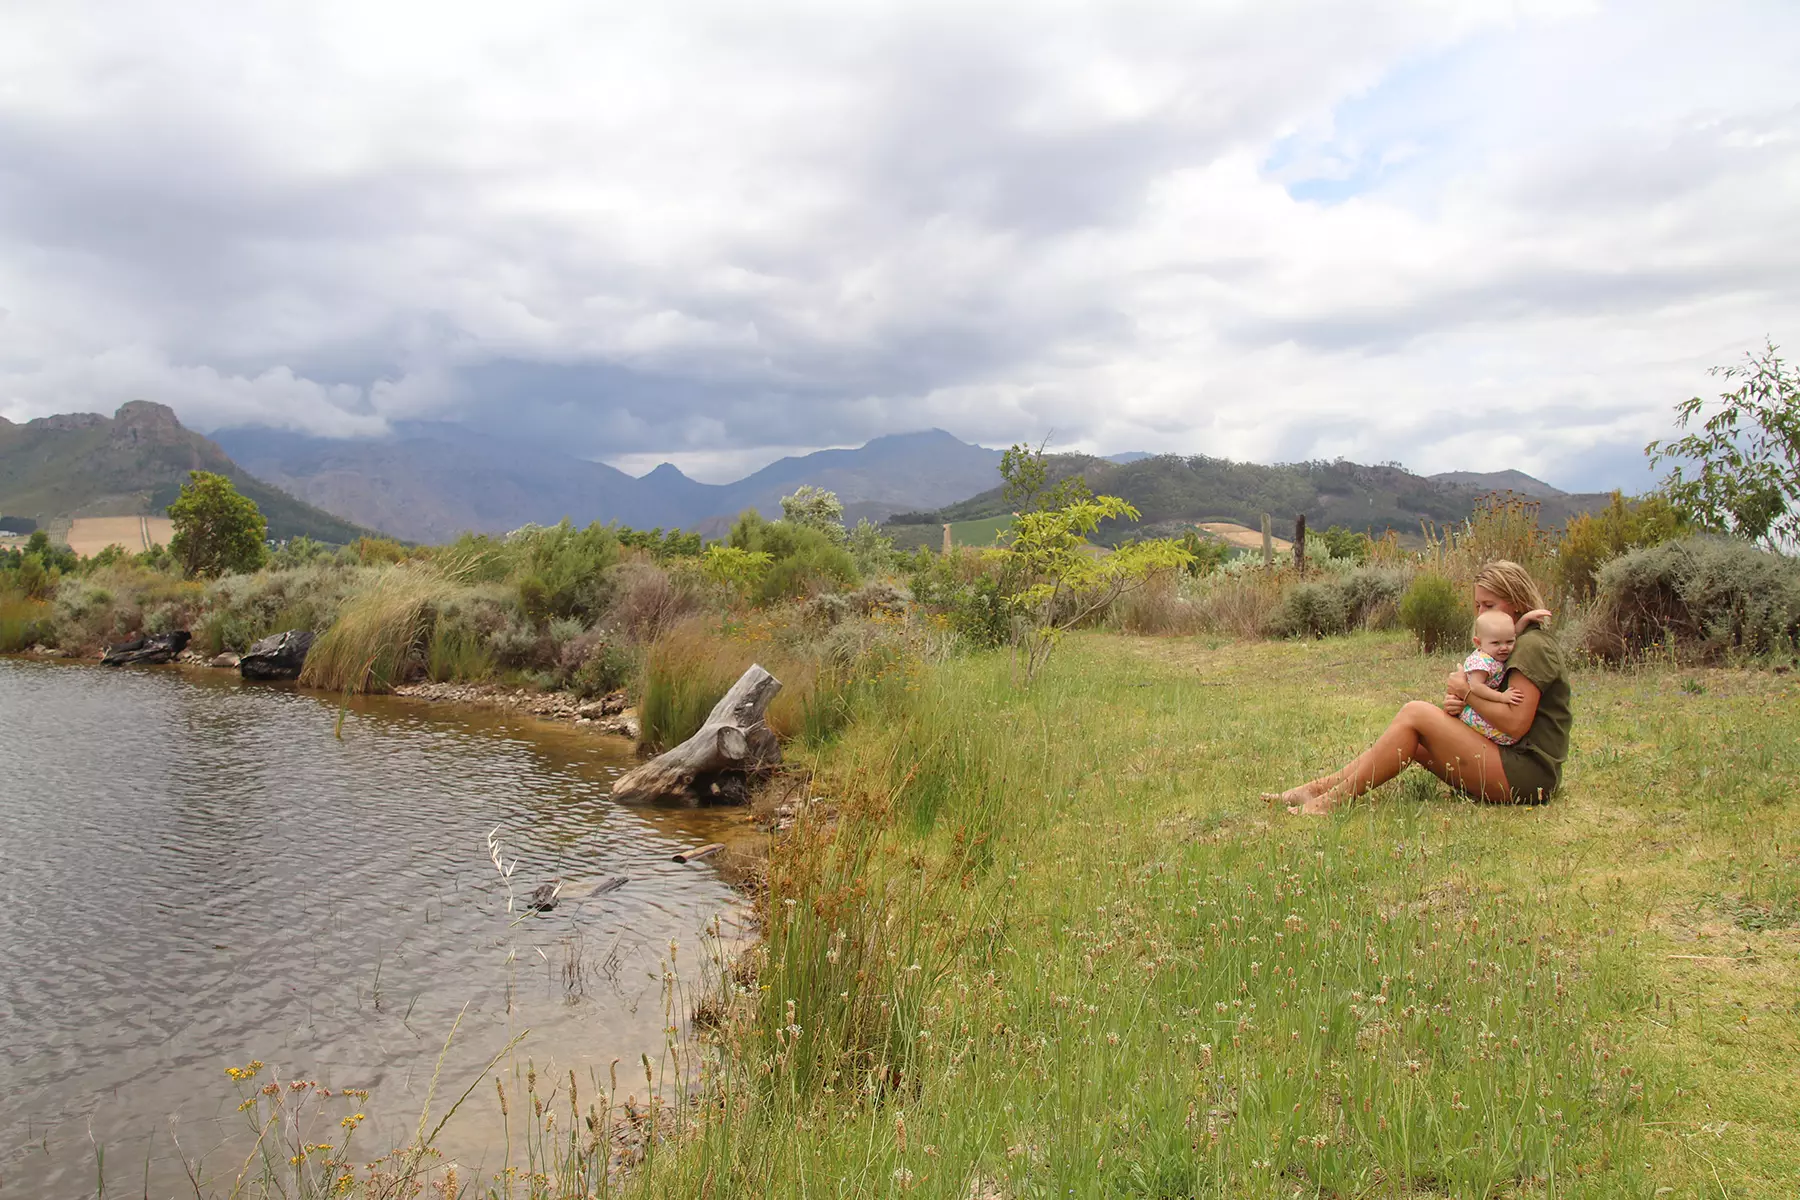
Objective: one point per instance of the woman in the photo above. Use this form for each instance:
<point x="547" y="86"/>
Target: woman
<point x="1526" y="772"/>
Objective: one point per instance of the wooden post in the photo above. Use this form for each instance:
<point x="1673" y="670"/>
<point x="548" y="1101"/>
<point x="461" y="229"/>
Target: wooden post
<point x="1300" y="545"/>
<point x="1268" y="545"/>
<point x="946" y="539"/>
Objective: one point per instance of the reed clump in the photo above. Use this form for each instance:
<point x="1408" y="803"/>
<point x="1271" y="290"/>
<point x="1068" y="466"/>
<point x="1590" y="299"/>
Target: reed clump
<point x="381" y="632"/>
<point x="24" y="622"/>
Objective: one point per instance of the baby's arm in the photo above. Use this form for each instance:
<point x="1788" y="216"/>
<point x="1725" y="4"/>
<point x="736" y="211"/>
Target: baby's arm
<point x="1478" y="686"/>
<point x="1537" y="616"/>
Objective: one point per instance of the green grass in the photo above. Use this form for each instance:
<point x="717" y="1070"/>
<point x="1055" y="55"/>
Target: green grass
<point x="1055" y="946"/>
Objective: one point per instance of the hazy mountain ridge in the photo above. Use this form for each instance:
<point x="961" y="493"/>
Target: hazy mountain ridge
<point x="429" y="481"/>
<point x="131" y="464"/>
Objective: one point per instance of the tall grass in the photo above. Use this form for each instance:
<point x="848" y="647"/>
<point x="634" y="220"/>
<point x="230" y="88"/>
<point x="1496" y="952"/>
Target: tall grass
<point x="380" y="631"/>
<point x="686" y="672"/>
<point x="1049" y="948"/>
<point x="457" y="654"/>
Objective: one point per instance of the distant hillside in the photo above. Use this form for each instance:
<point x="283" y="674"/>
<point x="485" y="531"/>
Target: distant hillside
<point x="1174" y="493"/>
<point x="431" y="481"/>
<point x="133" y="463"/>
<point x="1501" y="481"/>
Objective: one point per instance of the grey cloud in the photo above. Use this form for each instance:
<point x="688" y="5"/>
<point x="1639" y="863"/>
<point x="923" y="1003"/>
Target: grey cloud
<point x="946" y="230"/>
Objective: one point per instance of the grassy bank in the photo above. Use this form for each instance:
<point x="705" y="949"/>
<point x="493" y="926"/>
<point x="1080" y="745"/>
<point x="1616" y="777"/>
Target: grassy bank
<point x="1054" y="946"/>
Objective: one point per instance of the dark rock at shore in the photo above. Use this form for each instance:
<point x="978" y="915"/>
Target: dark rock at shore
<point x="277" y="657"/>
<point x="159" y="648"/>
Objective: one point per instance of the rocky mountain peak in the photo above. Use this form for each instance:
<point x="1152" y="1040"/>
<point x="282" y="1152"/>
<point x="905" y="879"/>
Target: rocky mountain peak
<point x="68" y="422"/>
<point x="144" y="420"/>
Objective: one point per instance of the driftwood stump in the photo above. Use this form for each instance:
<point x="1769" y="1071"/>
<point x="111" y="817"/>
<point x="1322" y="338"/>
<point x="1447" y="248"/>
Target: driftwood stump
<point x="158" y="648"/>
<point x="277" y="657"/>
<point x="715" y="763"/>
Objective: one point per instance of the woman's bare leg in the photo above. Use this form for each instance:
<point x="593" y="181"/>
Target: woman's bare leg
<point x="1421" y="733"/>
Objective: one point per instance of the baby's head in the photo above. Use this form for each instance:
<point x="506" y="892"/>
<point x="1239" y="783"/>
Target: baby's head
<point x="1494" y="634"/>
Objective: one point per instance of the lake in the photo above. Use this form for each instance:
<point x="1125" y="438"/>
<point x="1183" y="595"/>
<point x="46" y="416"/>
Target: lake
<point x="197" y="872"/>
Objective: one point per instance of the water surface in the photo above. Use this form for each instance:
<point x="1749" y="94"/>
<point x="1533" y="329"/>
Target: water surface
<point x="196" y="872"/>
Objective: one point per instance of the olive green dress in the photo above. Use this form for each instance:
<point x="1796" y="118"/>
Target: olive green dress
<point x="1533" y="764"/>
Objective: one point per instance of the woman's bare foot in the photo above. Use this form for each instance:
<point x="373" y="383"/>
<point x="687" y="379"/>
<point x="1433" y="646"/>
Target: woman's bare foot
<point x="1295" y="796"/>
<point x="1319" y="805"/>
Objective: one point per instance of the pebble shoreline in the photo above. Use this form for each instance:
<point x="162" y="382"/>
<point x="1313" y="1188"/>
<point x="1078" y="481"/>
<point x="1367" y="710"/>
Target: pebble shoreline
<point x="606" y="714"/>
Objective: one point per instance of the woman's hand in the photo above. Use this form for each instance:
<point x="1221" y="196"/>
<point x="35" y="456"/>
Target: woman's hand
<point x="1456" y="693"/>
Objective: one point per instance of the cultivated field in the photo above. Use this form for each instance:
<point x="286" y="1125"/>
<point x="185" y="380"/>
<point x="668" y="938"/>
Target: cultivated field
<point x="90" y="535"/>
<point x="1242" y="537"/>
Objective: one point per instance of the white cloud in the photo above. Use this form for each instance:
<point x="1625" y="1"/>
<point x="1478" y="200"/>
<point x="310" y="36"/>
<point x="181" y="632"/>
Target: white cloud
<point x="1450" y="234"/>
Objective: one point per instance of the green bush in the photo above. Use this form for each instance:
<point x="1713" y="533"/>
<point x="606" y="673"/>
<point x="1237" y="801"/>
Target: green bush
<point x="561" y="571"/>
<point x="603" y="665"/>
<point x="24" y="622"/>
<point x="1703" y="595"/>
<point x="1372" y="596"/>
<point x="1310" y="610"/>
<point x="805" y="561"/>
<point x="1435" y="612"/>
<point x="1591" y="540"/>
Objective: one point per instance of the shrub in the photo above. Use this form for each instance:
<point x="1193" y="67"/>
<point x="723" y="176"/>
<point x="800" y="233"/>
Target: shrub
<point x="648" y="599"/>
<point x="519" y="644"/>
<point x="1706" y="595"/>
<point x="1434" y="611"/>
<point x="804" y="560"/>
<point x="1310" y="610"/>
<point x="602" y="665"/>
<point x="244" y="608"/>
<point x="1241" y="604"/>
<point x="88" y="613"/>
<point x="964" y="587"/>
<point x="1591" y="540"/>
<point x="1372" y="597"/>
<point x="561" y="571"/>
<point x="1158" y="609"/>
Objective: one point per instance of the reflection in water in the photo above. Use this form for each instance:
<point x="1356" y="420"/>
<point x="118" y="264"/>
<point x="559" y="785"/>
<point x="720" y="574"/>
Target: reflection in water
<point x="197" y="872"/>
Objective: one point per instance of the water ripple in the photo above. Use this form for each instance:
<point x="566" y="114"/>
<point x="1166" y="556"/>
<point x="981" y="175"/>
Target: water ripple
<point x="196" y="872"/>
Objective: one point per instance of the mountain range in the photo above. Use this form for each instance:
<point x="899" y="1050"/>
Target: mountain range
<point x="429" y="481"/>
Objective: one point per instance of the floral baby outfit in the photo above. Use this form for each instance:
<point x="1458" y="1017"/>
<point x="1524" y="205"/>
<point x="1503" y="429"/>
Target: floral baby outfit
<point x="1480" y="661"/>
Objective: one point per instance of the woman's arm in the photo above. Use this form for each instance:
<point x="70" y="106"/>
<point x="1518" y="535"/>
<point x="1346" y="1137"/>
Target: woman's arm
<point x="1514" y="720"/>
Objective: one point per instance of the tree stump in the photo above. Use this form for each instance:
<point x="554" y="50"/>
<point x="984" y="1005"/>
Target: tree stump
<point x="731" y="745"/>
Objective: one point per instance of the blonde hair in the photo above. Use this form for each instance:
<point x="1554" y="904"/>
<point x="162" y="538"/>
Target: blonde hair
<point x="1512" y="583"/>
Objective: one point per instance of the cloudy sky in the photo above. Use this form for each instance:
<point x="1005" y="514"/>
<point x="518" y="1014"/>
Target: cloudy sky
<point x="1453" y="235"/>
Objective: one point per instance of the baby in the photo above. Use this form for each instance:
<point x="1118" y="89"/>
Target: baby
<point x="1494" y="636"/>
